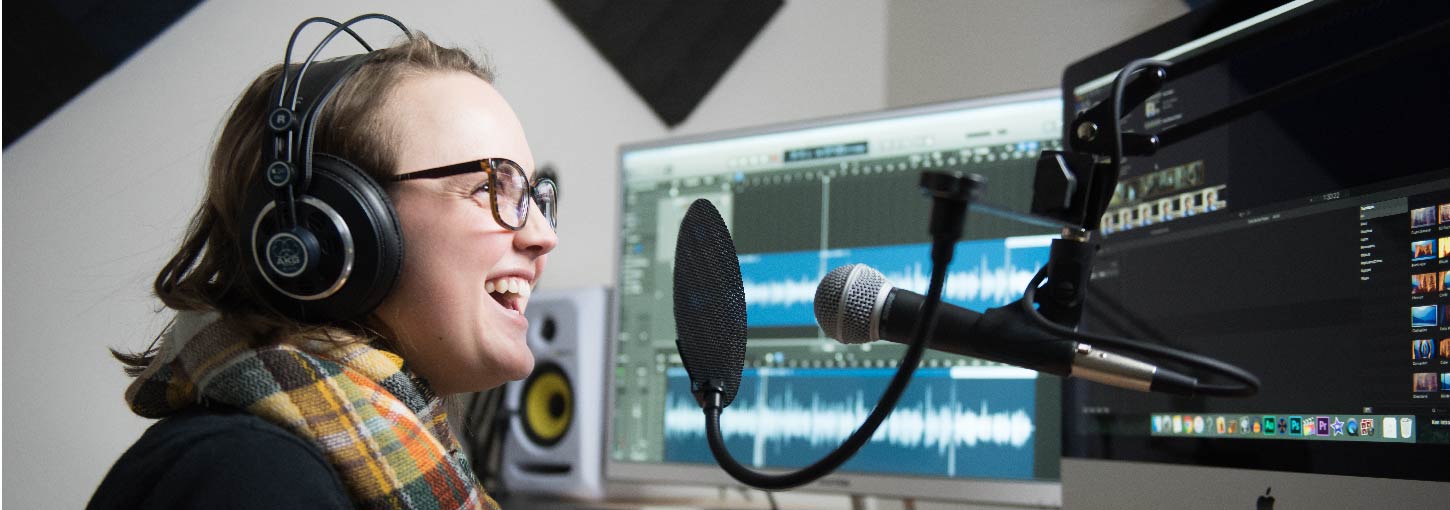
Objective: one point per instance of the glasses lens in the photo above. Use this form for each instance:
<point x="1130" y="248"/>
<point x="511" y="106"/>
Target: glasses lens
<point x="546" y="194"/>
<point x="512" y="186"/>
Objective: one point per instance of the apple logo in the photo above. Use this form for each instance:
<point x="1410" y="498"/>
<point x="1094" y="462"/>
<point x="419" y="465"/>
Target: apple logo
<point x="1266" y="502"/>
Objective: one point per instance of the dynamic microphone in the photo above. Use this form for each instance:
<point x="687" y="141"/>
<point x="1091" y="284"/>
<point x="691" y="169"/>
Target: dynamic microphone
<point x="856" y="304"/>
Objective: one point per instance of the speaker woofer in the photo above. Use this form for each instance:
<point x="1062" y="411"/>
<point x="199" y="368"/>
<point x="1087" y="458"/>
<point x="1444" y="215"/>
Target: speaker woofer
<point x="548" y="405"/>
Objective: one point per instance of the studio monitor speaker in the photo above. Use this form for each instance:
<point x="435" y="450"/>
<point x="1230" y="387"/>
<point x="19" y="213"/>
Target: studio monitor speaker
<point x="555" y="439"/>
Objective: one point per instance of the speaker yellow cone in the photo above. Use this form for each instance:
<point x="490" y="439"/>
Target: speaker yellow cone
<point x="548" y="405"/>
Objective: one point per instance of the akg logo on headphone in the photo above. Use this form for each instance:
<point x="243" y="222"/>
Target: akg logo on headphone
<point x="286" y="254"/>
<point x="279" y="173"/>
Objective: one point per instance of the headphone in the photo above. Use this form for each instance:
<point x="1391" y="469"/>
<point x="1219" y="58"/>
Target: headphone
<point x="323" y="237"/>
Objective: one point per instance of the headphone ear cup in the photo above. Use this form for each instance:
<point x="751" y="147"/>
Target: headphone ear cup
<point x="358" y="240"/>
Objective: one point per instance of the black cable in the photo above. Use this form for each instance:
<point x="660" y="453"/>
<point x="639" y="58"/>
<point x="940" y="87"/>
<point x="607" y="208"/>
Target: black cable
<point x="1119" y="83"/>
<point x="1250" y="382"/>
<point x="770" y="496"/>
<point x="487" y="423"/>
<point x="941" y="257"/>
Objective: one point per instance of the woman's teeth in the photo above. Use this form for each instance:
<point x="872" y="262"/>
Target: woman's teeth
<point x="508" y="285"/>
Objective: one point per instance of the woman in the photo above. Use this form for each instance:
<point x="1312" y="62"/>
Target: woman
<point x="265" y="406"/>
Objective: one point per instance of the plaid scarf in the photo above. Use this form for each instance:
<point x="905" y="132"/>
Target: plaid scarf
<point x="381" y="429"/>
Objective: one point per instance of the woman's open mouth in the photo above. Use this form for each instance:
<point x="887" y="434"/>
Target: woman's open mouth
<point x="510" y="293"/>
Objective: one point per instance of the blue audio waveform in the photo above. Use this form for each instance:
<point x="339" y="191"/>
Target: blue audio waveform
<point x="779" y="287"/>
<point x="980" y="425"/>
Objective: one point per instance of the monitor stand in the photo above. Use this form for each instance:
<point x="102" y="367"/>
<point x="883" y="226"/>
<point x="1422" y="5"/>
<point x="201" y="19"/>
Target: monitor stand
<point x="862" y="502"/>
<point x="867" y="502"/>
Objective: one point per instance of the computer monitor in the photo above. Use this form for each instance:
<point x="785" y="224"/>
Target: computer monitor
<point x="1279" y="242"/>
<point x="800" y="200"/>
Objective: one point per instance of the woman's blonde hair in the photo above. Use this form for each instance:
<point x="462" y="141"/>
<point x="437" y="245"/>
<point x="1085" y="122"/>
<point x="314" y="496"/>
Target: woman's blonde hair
<point x="208" y="271"/>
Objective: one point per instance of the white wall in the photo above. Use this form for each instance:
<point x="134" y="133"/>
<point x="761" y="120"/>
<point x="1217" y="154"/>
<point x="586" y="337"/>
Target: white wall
<point x="96" y="197"/>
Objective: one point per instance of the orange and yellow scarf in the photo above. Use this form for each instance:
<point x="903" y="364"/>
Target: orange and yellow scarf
<point x="382" y="430"/>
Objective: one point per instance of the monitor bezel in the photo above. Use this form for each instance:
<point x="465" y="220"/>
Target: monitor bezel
<point x="1038" y="493"/>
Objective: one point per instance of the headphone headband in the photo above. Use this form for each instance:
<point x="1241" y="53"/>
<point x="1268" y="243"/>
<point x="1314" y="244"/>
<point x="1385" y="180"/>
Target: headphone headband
<point x="283" y="172"/>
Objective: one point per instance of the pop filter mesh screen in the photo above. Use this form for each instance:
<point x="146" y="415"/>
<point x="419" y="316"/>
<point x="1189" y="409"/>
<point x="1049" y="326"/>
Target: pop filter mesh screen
<point x="709" y="300"/>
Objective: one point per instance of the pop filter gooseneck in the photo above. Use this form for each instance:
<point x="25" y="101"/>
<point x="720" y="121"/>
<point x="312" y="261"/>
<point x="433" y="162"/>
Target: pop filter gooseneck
<point x="710" y="323"/>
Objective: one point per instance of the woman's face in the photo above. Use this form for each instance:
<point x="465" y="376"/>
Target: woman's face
<point x="449" y="326"/>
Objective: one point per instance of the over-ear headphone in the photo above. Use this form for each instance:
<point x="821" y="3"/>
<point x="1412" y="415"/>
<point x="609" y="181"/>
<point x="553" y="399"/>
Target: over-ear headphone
<point x="323" y="237"/>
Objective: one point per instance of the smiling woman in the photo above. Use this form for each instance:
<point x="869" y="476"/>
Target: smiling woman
<point x="311" y="343"/>
<point x="462" y="234"/>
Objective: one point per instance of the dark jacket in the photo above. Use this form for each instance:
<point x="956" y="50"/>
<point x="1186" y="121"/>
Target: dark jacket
<point x="220" y="459"/>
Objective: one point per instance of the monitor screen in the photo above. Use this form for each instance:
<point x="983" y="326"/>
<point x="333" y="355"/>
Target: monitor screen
<point x="801" y="200"/>
<point x="1281" y="242"/>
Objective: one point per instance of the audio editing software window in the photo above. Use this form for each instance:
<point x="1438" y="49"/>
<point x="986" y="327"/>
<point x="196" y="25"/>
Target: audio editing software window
<point x="1282" y="246"/>
<point x="800" y="201"/>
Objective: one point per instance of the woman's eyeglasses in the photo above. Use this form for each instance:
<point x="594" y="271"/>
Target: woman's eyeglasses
<point x="508" y="189"/>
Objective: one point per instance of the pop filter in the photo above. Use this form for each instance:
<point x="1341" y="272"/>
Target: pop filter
<point x="709" y="303"/>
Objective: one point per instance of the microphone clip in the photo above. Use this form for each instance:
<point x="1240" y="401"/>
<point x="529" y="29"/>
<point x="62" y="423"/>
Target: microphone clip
<point x="951" y="193"/>
<point x="1069" y="265"/>
<point x="1075" y="186"/>
<point x="709" y="393"/>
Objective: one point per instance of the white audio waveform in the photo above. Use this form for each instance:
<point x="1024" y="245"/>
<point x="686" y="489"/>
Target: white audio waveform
<point x="781" y="293"/>
<point x="984" y="283"/>
<point x="941" y="426"/>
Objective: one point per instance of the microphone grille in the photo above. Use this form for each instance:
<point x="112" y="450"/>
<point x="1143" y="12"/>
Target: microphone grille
<point x="846" y="300"/>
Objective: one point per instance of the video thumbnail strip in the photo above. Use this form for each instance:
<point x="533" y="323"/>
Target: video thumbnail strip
<point x="1164" y="210"/>
<point x="1158" y="184"/>
<point x="1315" y="427"/>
